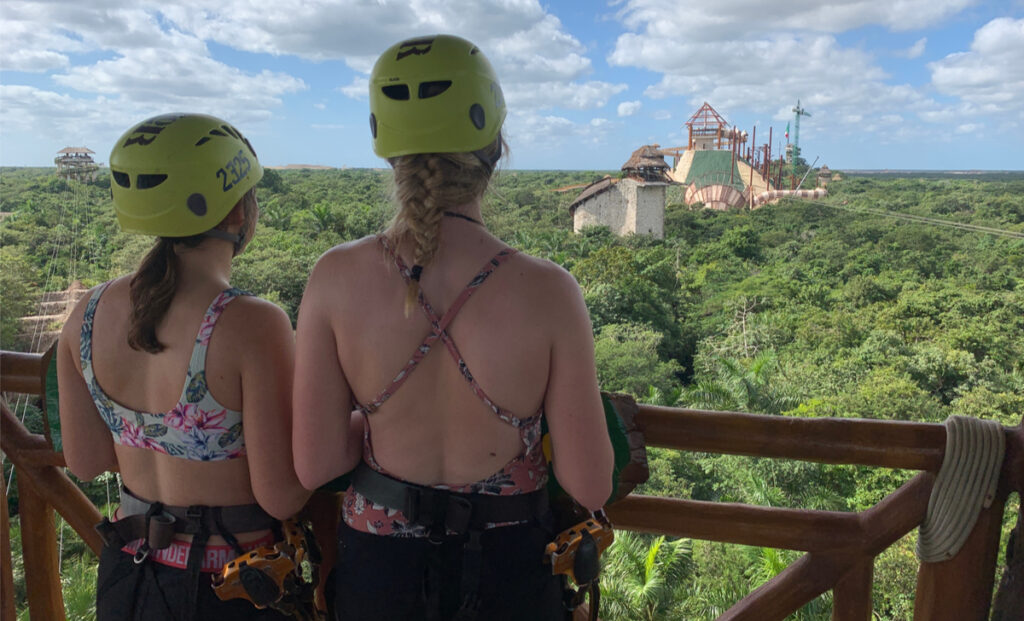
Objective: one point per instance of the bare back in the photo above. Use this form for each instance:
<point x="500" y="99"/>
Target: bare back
<point x="435" y="429"/>
<point x="147" y="382"/>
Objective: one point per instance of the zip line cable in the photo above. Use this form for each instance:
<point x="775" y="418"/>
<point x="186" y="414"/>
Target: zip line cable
<point x="923" y="219"/>
<point x="69" y="194"/>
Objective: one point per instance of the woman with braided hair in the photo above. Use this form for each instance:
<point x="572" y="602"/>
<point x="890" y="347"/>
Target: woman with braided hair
<point x="433" y="390"/>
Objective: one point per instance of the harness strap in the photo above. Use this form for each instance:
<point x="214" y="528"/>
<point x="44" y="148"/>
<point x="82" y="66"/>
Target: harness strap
<point x="195" y="554"/>
<point x="443" y="511"/>
<point x="456" y="512"/>
<point x="157" y="523"/>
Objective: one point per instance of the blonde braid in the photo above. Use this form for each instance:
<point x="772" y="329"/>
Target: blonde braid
<point x="425" y="185"/>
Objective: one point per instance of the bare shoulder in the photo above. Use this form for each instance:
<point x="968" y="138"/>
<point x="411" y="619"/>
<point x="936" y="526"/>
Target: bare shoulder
<point x="72" y="327"/>
<point x="547" y="280"/>
<point x="252" y="313"/>
<point x="346" y="258"/>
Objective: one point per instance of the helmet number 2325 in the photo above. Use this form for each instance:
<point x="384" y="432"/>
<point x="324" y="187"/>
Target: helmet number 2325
<point x="234" y="171"/>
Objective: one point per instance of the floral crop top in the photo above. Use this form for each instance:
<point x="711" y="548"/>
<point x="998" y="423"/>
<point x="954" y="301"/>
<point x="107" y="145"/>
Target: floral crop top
<point x="198" y="427"/>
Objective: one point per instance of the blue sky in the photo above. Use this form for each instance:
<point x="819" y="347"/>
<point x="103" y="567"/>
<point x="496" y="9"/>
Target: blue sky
<point x="899" y="84"/>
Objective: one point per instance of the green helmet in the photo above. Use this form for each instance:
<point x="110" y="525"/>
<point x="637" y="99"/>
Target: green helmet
<point x="177" y="175"/>
<point x="434" y="94"/>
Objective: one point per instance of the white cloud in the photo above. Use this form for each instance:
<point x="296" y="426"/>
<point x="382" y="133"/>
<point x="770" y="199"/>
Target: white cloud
<point x="720" y="52"/>
<point x="629" y="108"/>
<point x="742" y="19"/>
<point x="569" y="95"/>
<point x="969" y="128"/>
<point x="541" y="65"/>
<point x="358" y="89"/>
<point x="662" y="115"/>
<point x="549" y="132"/>
<point x="916" y="49"/>
<point x="990" y="77"/>
<point x="145" y="67"/>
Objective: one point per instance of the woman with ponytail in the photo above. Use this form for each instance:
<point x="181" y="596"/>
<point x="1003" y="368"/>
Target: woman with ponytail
<point x="181" y="382"/>
<point x="427" y="358"/>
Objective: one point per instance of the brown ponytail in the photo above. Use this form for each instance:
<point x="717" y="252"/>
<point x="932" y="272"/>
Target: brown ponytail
<point x="425" y="186"/>
<point x="151" y="290"/>
<point x="152" y="287"/>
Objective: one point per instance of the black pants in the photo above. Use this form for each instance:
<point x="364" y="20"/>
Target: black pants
<point x="149" y="591"/>
<point x="386" y="578"/>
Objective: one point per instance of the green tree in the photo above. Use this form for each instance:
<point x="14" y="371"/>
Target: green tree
<point x="643" y="578"/>
<point x="627" y="360"/>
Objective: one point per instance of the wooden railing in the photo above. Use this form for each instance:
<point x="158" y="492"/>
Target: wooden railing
<point x="840" y="547"/>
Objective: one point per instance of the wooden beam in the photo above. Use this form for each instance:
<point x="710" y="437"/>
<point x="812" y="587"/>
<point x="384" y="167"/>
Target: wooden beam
<point x="39" y="549"/>
<point x="892" y="444"/>
<point x="792" y="529"/>
<point x="851" y="596"/>
<point x="960" y="589"/>
<point x="21" y="373"/>
<point x="808" y="577"/>
<point x="815" y="573"/>
<point x="49" y="480"/>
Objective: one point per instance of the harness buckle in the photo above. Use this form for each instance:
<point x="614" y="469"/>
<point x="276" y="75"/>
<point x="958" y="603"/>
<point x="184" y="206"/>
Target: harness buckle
<point x="458" y="514"/>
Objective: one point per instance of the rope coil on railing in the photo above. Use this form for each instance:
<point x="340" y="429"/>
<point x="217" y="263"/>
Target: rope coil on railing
<point x="966" y="483"/>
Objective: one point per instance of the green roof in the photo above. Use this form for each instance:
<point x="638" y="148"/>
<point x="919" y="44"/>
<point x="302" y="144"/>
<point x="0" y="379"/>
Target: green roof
<point x="712" y="167"/>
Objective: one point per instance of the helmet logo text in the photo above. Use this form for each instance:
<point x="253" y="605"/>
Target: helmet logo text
<point x="153" y="127"/>
<point x="416" y="47"/>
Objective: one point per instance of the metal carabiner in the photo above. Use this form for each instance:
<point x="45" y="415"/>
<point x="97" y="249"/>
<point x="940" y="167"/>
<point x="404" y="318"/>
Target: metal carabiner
<point x="142" y="553"/>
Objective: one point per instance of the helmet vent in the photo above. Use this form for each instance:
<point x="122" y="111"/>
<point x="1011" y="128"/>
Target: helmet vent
<point x="217" y="132"/>
<point x="197" y="204"/>
<point x="144" y="182"/>
<point x="476" y="114"/>
<point x="373" y="125"/>
<point x="121" y="179"/>
<point x="202" y="141"/>
<point x="433" y="89"/>
<point x="398" y="92"/>
<point x="232" y="131"/>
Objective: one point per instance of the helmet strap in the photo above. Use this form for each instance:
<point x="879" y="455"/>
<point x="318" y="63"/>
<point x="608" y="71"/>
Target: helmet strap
<point x="235" y="238"/>
<point x="489" y="159"/>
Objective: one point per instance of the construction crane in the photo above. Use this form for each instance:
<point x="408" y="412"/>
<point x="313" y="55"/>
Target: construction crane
<point x="798" y="112"/>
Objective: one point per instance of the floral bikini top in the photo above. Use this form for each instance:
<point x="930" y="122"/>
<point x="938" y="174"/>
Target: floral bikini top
<point x="198" y="427"/>
<point x="526" y="472"/>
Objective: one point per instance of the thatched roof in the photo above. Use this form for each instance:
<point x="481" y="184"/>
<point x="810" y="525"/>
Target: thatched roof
<point x="595" y="188"/>
<point x="647" y="156"/>
<point x="69" y="150"/>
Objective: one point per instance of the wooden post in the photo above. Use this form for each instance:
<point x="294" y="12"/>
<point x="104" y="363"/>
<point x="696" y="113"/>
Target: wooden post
<point x="851" y="596"/>
<point x="7" y="610"/>
<point x="39" y="548"/>
<point x="960" y="589"/>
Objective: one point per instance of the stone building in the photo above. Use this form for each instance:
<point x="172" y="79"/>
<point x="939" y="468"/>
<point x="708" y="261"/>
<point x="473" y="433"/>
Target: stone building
<point x="634" y="204"/>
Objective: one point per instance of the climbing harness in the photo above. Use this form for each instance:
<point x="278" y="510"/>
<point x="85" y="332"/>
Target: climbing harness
<point x="155" y="524"/>
<point x="450" y="515"/>
<point x="966" y="483"/>
<point x="272" y="576"/>
<point x="575" y="554"/>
